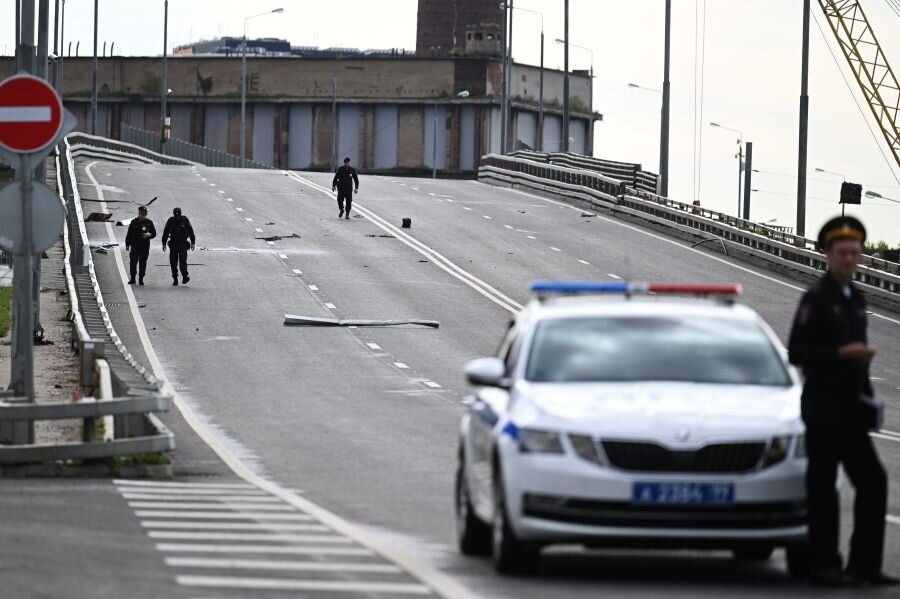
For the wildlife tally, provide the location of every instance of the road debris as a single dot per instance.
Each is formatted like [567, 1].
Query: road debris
[406, 223]
[315, 321]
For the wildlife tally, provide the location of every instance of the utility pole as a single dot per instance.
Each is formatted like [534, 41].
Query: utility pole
[740, 157]
[503, 82]
[58, 59]
[62, 46]
[163, 134]
[804, 126]
[510, 138]
[434, 141]
[95, 73]
[540, 131]
[748, 172]
[565, 123]
[334, 157]
[664, 120]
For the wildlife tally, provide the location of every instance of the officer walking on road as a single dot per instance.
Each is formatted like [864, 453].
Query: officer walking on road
[180, 235]
[344, 178]
[137, 243]
[828, 341]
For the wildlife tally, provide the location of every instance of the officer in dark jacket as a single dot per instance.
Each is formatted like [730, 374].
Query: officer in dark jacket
[344, 178]
[137, 243]
[180, 235]
[828, 341]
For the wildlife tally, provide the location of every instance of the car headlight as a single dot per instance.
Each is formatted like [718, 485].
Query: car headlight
[586, 449]
[535, 441]
[777, 450]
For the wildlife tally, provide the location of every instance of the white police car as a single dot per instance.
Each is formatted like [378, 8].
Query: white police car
[631, 416]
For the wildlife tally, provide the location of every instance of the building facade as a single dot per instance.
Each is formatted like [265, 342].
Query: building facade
[399, 114]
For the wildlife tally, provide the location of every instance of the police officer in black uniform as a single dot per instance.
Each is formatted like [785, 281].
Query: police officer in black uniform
[828, 341]
[137, 243]
[344, 178]
[180, 235]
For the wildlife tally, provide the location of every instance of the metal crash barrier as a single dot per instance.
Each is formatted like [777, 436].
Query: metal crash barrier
[776, 247]
[120, 395]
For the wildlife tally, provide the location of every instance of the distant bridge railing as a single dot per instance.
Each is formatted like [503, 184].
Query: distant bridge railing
[627, 172]
[184, 149]
[776, 247]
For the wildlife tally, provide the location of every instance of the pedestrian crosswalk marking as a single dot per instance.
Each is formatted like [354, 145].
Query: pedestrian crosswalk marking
[260, 564]
[273, 549]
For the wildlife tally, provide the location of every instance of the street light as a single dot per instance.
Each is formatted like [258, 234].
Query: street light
[649, 89]
[739, 156]
[244, 83]
[540, 135]
[164, 116]
[662, 181]
[876, 195]
[590, 133]
[462, 94]
[822, 170]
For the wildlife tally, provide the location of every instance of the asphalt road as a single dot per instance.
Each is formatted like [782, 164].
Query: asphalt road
[364, 421]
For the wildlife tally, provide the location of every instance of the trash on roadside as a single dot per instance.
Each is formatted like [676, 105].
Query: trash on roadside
[587, 215]
[407, 223]
[98, 217]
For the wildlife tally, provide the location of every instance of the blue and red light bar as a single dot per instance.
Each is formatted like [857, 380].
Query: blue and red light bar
[631, 288]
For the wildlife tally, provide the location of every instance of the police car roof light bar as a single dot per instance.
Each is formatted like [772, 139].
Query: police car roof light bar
[630, 288]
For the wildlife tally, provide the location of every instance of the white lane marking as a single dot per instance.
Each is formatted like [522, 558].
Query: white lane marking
[438, 581]
[876, 378]
[222, 498]
[229, 199]
[246, 536]
[431, 194]
[373, 346]
[297, 271]
[611, 275]
[467, 208]
[259, 526]
[212, 184]
[531, 237]
[222, 192]
[284, 549]
[239, 209]
[262, 564]
[270, 242]
[330, 306]
[433, 385]
[221, 515]
[313, 288]
[507, 226]
[584, 261]
[401, 365]
[555, 249]
[248, 219]
[887, 436]
[487, 217]
[171, 505]
[448, 198]
[203, 178]
[893, 519]
[283, 256]
[292, 584]
[193, 493]
[415, 189]
[684, 247]
[438, 259]
[124, 484]
[258, 230]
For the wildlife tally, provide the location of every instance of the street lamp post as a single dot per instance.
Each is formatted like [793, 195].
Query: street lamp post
[244, 84]
[663, 188]
[434, 135]
[163, 116]
[540, 131]
[589, 149]
[740, 157]
[876, 195]
[95, 73]
[662, 183]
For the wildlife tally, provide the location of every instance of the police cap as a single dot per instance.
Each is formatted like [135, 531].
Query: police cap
[841, 227]
[177, 211]
[142, 209]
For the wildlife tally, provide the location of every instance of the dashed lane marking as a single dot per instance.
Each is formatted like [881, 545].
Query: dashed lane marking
[271, 549]
[226, 498]
[258, 526]
[297, 271]
[611, 275]
[401, 365]
[555, 249]
[507, 227]
[214, 515]
[283, 256]
[239, 209]
[229, 199]
[179, 535]
[487, 217]
[258, 230]
[433, 385]
[531, 237]
[248, 219]
[217, 505]
[467, 208]
[278, 584]
[584, 261]
[893, 519]
[373, 346]
[330, 306]
[260, 564]
[270, 242]
[313, 288]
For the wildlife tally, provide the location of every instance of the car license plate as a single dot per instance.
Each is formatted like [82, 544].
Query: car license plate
[646, 493]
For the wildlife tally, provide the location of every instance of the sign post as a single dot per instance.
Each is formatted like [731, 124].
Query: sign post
[32, 120]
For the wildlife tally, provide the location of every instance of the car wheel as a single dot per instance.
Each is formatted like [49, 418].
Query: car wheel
[798, 564]
[757, 553]
[473, 535]
[511, 555]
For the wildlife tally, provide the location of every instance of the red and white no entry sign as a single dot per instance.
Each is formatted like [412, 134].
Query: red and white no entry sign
[30, 114]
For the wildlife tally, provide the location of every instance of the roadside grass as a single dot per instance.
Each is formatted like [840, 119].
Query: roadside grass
[5, 309]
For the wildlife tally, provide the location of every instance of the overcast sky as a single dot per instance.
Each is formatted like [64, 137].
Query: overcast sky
[751, 82]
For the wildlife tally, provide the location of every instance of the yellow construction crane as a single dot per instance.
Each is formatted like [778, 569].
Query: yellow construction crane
[869, 64]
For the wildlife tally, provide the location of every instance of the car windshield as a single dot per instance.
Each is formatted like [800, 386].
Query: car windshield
[670, 348]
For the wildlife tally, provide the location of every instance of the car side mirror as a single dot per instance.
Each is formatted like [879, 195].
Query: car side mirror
[486, 372]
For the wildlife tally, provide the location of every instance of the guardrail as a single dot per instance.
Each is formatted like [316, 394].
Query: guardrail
[129, 393]
[627, 172]
[94, 146]
[184, 149]
[778, 248]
